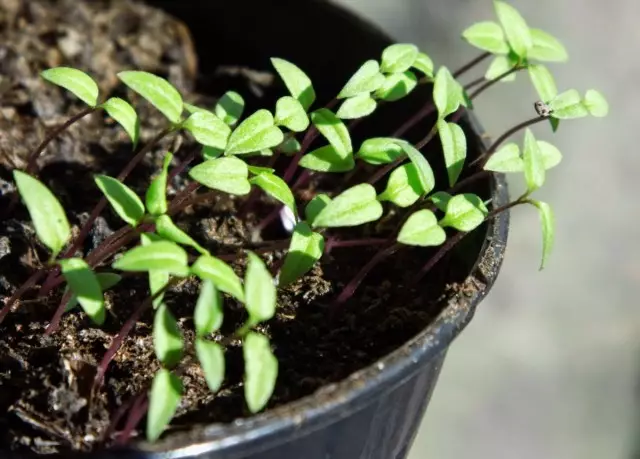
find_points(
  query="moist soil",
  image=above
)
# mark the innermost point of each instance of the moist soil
(46, 402)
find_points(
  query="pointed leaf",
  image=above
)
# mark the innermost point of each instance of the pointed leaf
(228, 174)
(291, 114)
(327, 159)
(515, 28)
(398, 57)
(421, 229)
(543, 81)
(254, 134)
(447, 93)
(568, 105)
(305, 250)
(167, 337)
(170, 231)
(441, 200)
(506, 159)
(357, 107)
(230, 107)
(260, 371)
(156, 196)
(425, 173)
(315, 206)
(277, 188)
(85, 286)
(158, 279)
(380, 150)
(488, 36)
(290, 146)
(353, 207)
(220, 273)
(499, 66)
(211, 358)
(125, 115)
(48, 217)
(164, 398)
(465, 212)
(424, 64)
(547, 221)
(533, 163)
(157, 91)
(551, 156)
(396, 86)
(454, 147)
(296, 81)
(208, 130)
(208, 314)
(124, 201)
(546, 47)
(259, 170)
(106, 281)
(596, 103)
(334, 130)
(75, 81)
(259, 290)
(404, 187)
(161, 256)
(366, 80)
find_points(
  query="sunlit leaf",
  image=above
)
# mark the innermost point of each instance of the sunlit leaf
(547, 221)
(465, 212)
(75, 81)
(220, 273)
(425, 173)
(124, 201)
(85, 286)
(157, 91)
(357, 107)
(454, 147)
(398, 57)
(208, 313)
(170, 231)
(255, 133)
(488, 36)
(230, 107)
(227, 174)
(534, 172)
(499, 66)
(156, 196)
(515, 28)
(315, 206)
(506, 159)
(260, 371)
(125, 115)
(162, 256)
(380, 150)
(167, 337)
(305, 250)
(546, 47)
(447, 93)
(404, 187)
(568, 105)
(422, 229)
(596, 103)
(366, 80)
(164, 398)
(353, 207)
(334, 130)
(277, 188)
(327, 159)
(543, 81)
(106, 281)
(158, 278)
(208, 130)
(211, 358)
(396, 86)
(424, 64)
(296, 81)
(291, 114)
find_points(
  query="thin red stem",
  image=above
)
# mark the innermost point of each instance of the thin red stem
(136, 414)
(55, 320)
(35, 277)
(471, 64)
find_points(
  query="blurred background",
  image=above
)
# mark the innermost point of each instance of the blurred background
(550, 366)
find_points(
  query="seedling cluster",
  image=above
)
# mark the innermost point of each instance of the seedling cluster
(150, 242)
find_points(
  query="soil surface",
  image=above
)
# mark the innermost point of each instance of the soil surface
(46, 403)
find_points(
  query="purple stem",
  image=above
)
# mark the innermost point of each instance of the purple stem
(35, 277)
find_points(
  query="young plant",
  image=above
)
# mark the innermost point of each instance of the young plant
(434, 211)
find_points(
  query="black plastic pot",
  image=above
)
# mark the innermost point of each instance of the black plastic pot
(375, 413)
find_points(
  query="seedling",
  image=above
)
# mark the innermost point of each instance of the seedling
(152, 243)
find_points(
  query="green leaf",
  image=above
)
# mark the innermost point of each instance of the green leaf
(85, 287)
(106, 281)
(327, 159)
(551, 156)
(296, 81)
(441, 199)
(425, 173)
(211, 357)
(366, 80)
(396, 86)
(291, 114)
(488, 36)
(305, 250)
(543, 81)
(170, 231)
(447, 93)
(290, 146)
(380, 150)
(260, 371)
(404, 187)
(353, 207)
(211, 153)
(48, 217)
(230, 107)
(167, 337)
(357, 107)
(208, 130)
(421, 229)
(191, 109)
(208, 314)
(596, 103)
(555, 123)
(533, 163)
(259, 290)
(258, 170)
(499, 66)
(125, 115)
(277, 188)
(515, 28)
(156, 196)
(124, 201)
(424, 64)
(228, 174)
(454, 147)
(546, 47)
(398, 57)
(75, 81)
(254, 134)
(162, 256)
(164, 398)
(158, 279)
(334, 130)
(506, 159)
(157, 91)
(315, 206)
(465, 212)
(547, 221)
(568, 105)
(220, 273)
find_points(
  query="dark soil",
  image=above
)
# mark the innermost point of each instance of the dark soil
(45, 400)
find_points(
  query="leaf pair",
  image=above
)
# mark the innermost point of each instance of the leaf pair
(338, 155)
(570, 104)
